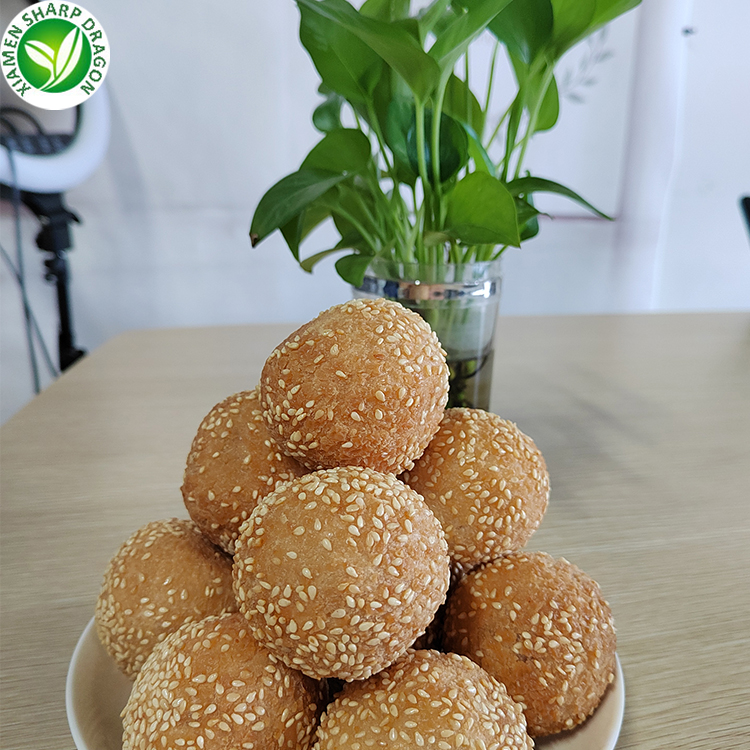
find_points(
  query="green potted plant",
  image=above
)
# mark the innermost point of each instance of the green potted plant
(424, 188)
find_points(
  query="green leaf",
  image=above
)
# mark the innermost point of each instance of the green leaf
(394, 44)
(607, 10)
(527, 217)
(374, 113)
(327, 116)
(399, 120)
(309, 263)
(572, 20)
(481, 211)
(604, 12)
(550, 109)
(530, 185)
(514, 121)
(461, 104)
(524, 27)
(477, 152)
(411, 27)
(386, 10)
(345, 63)
(454, 146)
(292, 234)
(435, 239)
(530, 229)
(525, 210)
(298, 227)
(531, 79)
(353, 201)
(532, 29)
(287, 198)
(352, 268)
(344, 150)
(454, 40)
(430, 17)
(351, 241)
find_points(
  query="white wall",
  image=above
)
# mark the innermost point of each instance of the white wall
(209, 108)
(704, 255)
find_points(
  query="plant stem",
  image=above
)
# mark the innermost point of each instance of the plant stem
(375, 222)
(397, 201)
(454, 253)
(402, 230)
(356, 116)
(374, 182)
(381, 142)
(488, 97)
(421, 162)
(371, 241)
(402, 217)
(497, 129)
(468, 90)
(533, 117)
(418, 237)
(436, 117)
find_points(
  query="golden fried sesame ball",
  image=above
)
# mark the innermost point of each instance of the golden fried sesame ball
(426, 699)
(485, 481)
(164, 575)
(211, 685)
(339, 571)
(233, 462)
(541, 627)
(363, 384)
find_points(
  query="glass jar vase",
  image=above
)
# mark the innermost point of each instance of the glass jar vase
(461, 304)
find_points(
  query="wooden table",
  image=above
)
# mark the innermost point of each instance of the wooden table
(645, 425)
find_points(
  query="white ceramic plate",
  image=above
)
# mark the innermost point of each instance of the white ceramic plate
(96, 692)
(601, 730)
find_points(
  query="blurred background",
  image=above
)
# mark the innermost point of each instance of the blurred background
(211, 105)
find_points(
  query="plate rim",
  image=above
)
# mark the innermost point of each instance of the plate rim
(620, 680)
(617, 687)
(86, 634)
(69, 682)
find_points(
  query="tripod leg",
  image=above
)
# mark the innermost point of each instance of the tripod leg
(68, 353)
(54, 238)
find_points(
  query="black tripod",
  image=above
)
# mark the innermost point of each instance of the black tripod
(54, 238)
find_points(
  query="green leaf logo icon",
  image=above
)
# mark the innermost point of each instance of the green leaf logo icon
(67, 57)
(42, 54)
(57, 55)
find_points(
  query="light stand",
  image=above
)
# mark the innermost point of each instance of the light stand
(54, 238)
(36, 170)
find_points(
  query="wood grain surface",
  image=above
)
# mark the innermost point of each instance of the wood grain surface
(645, 425)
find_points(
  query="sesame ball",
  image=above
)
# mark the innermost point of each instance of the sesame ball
(485, 481)
(164, 575)
(339, 571)
(211, 685)
(233, 462)
(363, 384)
(541, 627)
(426, 699)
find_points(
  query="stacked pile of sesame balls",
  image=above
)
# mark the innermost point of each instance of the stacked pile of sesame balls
(333, 509)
